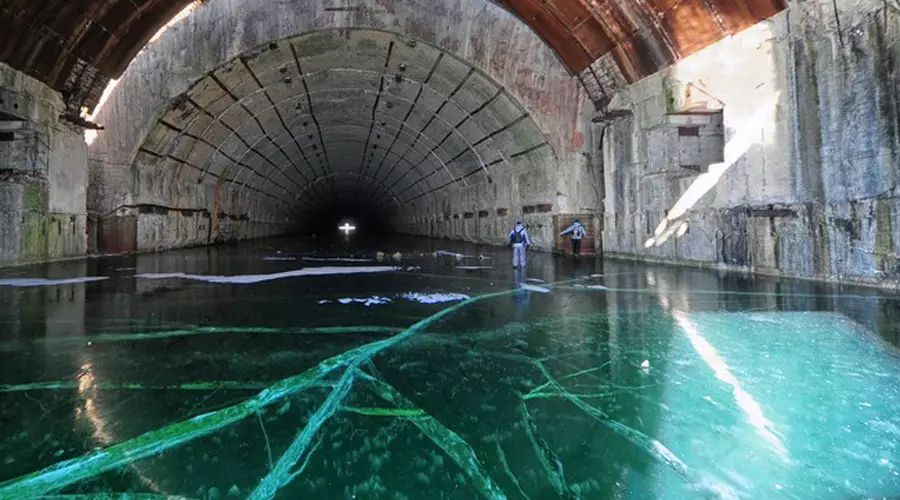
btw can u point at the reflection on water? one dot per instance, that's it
(443, 375)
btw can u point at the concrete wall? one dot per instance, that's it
(809, 182)
(478, 32)
(43, 175)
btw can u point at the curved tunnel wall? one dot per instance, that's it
(246, 121)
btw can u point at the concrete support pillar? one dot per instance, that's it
(43, 174)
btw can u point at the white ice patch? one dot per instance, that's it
(367, 301)
(435, 298)
(533, 288)
(451, 254)
(335, 259)
(31, 282)
(279, 258)
(534, 280)
(592, 287)
(246, 279)
(461, 256)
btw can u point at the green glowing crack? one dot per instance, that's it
(71, 471)
(385, 412)
(509, 472)
(281, 474)
(207, 330)
(452, 444)
(68, 472)
(114, 496)
(548, 459)
(651, 446)
(234, 385)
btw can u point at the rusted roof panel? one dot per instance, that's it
(49, 39)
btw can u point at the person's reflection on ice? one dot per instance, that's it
(522, 295)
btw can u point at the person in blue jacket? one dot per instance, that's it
(518, 239)
(578, 232)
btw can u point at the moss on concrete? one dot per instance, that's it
(668, 88)
(34, 241)
(36, 197)
(884, 230)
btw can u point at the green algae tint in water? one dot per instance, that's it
(592, 381)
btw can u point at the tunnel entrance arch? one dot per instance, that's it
(238, 133)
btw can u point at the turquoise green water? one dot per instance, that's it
(593, 380)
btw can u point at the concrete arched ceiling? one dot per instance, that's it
(76, 46)
(334, 117)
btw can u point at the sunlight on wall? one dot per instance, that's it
(734, 150)
(91, 135)
(741, 74)
(177, 19)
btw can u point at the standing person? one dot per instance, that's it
(519, 240)
(578, 233)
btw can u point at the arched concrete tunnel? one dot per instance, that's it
(338, 123)
(446, 119)
(752, 142)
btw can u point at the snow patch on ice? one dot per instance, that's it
(246, 279)
(592, 287)
(366, 301)
(451, 254)
(534, 280)
(32, 282)
(435, 298)
(533, 288)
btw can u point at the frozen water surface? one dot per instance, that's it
(624, 381)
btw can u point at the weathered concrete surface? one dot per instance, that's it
(43, 175)
(213, 119)
(809, 185)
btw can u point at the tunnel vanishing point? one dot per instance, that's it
(760, 135)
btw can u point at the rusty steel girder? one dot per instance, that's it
(76, 45)
(643, 36)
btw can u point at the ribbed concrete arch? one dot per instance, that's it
(343, 109)
(278, 118)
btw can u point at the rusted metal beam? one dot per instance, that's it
(53, 39)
